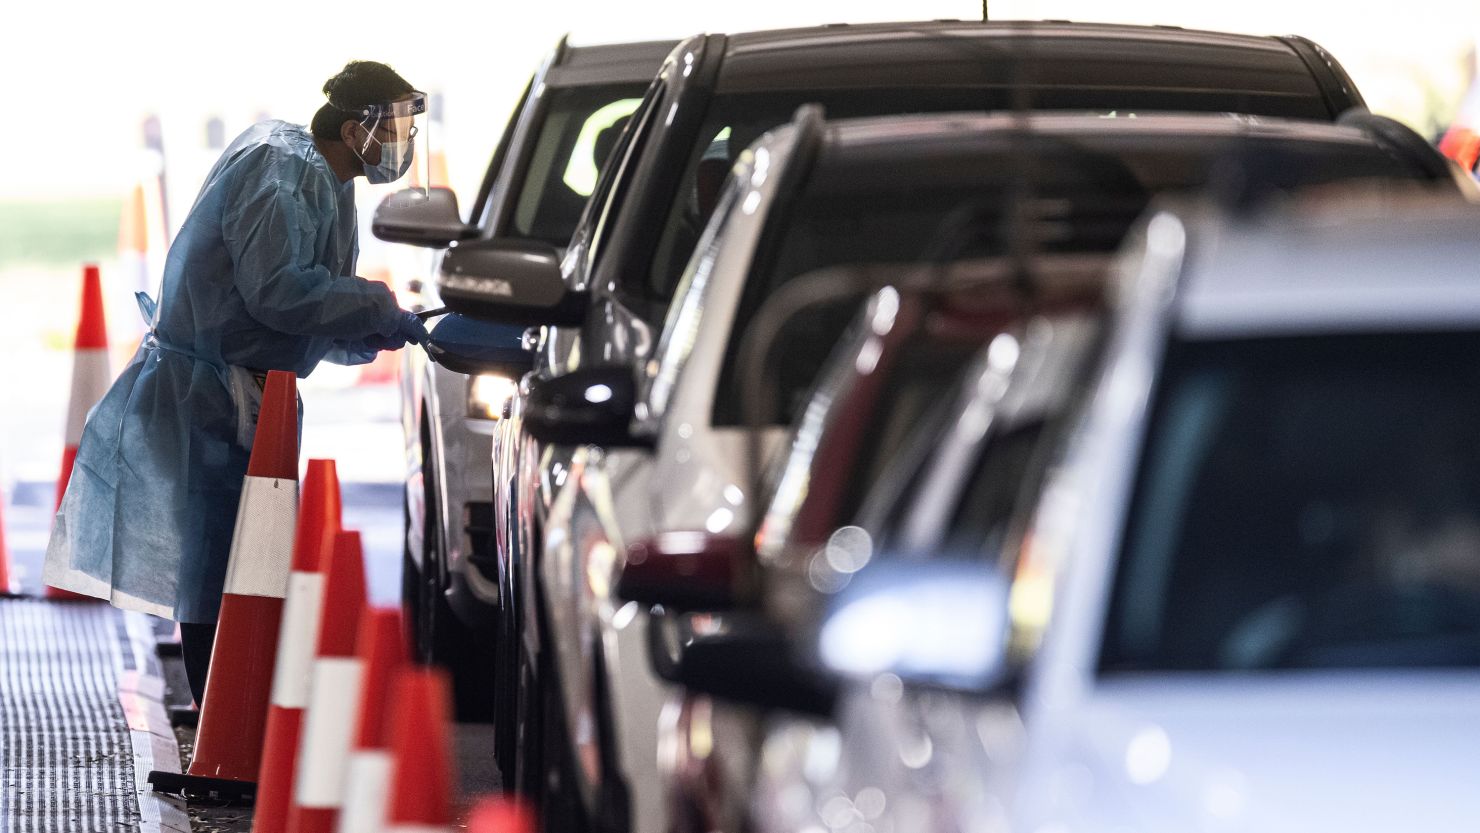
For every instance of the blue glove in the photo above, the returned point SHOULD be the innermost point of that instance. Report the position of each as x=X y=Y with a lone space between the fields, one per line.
x=411 y=329
x=376 y=341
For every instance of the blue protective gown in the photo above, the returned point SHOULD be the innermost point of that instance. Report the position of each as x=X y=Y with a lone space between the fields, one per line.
x=260 y=278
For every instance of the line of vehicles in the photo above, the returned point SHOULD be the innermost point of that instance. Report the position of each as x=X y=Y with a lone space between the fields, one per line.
x=867 y=428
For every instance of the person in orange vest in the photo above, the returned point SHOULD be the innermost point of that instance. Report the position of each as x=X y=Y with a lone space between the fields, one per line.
x=261 y=277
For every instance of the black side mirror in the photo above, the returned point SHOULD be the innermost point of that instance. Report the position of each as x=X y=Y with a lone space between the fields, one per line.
x=588 y=406
x=510 y=281
x=427 y=219
x=466 y=345
x=749 y=660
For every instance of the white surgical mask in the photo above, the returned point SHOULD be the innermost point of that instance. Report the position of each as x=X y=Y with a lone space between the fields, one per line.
x=395 y=161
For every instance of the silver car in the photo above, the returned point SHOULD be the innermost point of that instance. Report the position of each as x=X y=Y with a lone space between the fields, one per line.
x=809 y=250
x=1242 y=592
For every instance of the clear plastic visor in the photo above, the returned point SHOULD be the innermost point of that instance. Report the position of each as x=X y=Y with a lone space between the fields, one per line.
x=401 y=129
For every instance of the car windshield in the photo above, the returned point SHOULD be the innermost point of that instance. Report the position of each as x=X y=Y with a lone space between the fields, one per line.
x=733 y=121
x=1307 y=502
x=1095 y=187
x=580 y=127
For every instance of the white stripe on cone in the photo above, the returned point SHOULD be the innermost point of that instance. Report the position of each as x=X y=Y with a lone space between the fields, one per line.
x=367 y=791
x=262 y=546
x=328 y=730
x=417 y=828
x=91 y=374
x=301 y=614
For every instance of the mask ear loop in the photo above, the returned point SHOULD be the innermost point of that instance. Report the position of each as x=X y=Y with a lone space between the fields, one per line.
x=369 y=135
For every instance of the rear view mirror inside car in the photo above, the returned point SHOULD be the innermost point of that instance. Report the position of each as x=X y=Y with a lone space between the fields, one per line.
x=420 y=218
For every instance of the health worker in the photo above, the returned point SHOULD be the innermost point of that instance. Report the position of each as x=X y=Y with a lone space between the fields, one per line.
x=261 y=277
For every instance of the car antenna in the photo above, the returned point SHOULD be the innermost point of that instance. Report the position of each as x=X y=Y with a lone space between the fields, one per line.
x=985 y=18
x=1018 y=222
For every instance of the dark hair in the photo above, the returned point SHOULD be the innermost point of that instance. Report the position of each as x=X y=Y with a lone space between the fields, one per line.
x=358 y=84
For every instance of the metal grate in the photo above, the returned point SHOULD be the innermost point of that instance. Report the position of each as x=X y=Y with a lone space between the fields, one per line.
x=67 y=758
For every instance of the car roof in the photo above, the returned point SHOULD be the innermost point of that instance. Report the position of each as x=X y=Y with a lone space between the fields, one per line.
x=894 y=55
x=605 y=64
x=867 y=139
x=1351 y=263
x=940 y=150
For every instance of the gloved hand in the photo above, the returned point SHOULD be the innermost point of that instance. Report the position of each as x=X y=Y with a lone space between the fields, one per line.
x=376 y=341
x=411 y=329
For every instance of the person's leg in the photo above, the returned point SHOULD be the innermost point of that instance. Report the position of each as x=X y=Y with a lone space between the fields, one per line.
x=196 y=642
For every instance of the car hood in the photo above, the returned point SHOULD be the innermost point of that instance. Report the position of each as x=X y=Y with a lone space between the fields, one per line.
x=1348 y=752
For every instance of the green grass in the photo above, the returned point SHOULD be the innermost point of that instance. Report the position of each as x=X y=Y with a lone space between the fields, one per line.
x=58 y=233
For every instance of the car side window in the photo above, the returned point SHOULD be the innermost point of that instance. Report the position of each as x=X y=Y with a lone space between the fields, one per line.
x=580 y=127
x=980 y=507
x=616 y=174
x=483 y=205
x=685 y=318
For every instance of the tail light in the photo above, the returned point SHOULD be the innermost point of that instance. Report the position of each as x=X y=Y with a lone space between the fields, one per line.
x=687 y=571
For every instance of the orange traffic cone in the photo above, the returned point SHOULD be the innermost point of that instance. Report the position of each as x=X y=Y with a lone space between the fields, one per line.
x=500 y=814
x=421 y=760
x=228 y=746
x=318 y=523
x=318 y=787
x=381 y=646
x=142 y=236
x=7 y=585
x=91 y=375
x=142 y=244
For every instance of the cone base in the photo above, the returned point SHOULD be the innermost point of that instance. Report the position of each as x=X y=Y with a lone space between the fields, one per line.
x=234 y=793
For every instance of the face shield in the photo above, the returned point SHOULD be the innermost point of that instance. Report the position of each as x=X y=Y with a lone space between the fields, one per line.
x=394 y=140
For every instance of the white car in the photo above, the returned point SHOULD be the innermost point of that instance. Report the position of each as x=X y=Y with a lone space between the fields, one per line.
x=1246 y=595
x=671 y=474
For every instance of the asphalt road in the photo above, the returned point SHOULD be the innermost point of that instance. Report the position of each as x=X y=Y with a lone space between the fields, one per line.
x=373 y=508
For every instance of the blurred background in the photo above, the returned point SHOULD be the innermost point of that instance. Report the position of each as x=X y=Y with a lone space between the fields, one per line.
x=131 y=102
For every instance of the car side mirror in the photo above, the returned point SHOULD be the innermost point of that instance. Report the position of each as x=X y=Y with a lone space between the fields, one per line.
x=940 y=623
x=420 y=218
x=685 y=571
x=511 y=281
x=747 y=660
x=467 y=345
x=588 y=406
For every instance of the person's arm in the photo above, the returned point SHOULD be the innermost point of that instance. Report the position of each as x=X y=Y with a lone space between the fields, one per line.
x=351 y=353
x=270 y=235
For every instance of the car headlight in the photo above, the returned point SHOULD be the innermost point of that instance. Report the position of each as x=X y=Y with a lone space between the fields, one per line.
x=487 y=395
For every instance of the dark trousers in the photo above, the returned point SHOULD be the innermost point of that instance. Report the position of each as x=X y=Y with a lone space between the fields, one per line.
x=195 y=644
